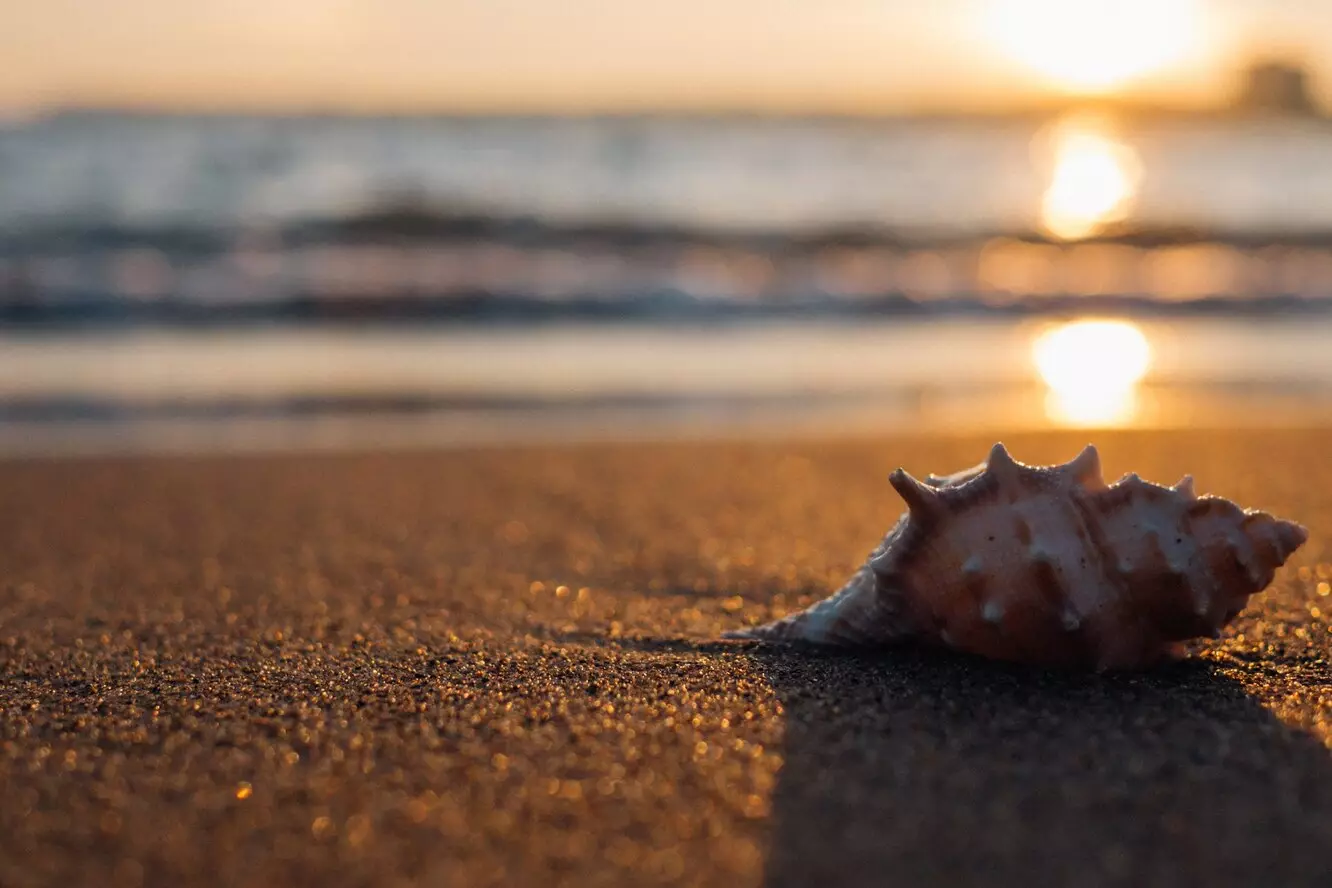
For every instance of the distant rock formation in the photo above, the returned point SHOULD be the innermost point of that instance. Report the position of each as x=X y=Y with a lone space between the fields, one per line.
x=1277 y=87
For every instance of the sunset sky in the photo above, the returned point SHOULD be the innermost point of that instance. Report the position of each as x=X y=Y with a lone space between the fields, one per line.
x=507 y=55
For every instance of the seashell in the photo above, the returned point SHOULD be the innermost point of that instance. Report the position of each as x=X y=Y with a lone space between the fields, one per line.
x=1050 y=565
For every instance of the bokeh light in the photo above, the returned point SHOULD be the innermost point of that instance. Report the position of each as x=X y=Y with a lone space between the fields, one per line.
x=1092 y=369
x=1093 y=180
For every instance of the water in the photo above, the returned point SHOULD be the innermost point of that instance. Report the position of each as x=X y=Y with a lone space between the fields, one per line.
x=178 y=219
x=926 y=177
x=191 y=283
x=313 y=386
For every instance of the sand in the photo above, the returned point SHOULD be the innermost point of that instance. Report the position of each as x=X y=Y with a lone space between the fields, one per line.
x=498 y=667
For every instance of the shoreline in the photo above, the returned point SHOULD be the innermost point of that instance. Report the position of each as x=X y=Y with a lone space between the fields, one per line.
x=272 y=431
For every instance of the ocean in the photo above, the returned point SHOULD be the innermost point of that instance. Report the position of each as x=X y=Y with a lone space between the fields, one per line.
x=176 y=282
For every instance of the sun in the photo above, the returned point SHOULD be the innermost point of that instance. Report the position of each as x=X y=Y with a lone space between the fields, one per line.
x=1094 y=46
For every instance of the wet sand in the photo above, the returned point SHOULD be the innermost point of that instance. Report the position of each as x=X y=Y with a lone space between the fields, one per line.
x=499 y=667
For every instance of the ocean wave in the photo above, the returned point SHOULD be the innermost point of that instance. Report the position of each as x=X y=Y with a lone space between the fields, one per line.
x=416 y=264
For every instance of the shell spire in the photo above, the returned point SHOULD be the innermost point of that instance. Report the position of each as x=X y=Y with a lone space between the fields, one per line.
x=924 y=502
x=1085 y=468
x=1002 y=467
x=1049 y=564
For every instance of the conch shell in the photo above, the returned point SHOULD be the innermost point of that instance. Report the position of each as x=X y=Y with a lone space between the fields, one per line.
x=1049 y=565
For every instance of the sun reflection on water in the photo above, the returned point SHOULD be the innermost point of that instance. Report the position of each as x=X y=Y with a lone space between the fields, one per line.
x=1093 y=179
x=1092 y=369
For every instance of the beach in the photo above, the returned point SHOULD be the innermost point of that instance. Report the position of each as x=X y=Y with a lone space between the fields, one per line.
x=501 y=666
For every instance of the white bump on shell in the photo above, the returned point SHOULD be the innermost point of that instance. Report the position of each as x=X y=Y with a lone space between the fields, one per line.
x=1039 y=553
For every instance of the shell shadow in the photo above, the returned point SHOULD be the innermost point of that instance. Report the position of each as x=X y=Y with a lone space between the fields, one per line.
x=917 y=769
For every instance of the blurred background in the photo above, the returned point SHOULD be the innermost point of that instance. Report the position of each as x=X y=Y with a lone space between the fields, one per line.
x=310 y=223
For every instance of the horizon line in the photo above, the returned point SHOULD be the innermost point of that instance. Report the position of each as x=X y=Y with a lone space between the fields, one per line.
x=1025 y=107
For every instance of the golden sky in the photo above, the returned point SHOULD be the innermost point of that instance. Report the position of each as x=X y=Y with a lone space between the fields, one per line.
x=858 y=55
